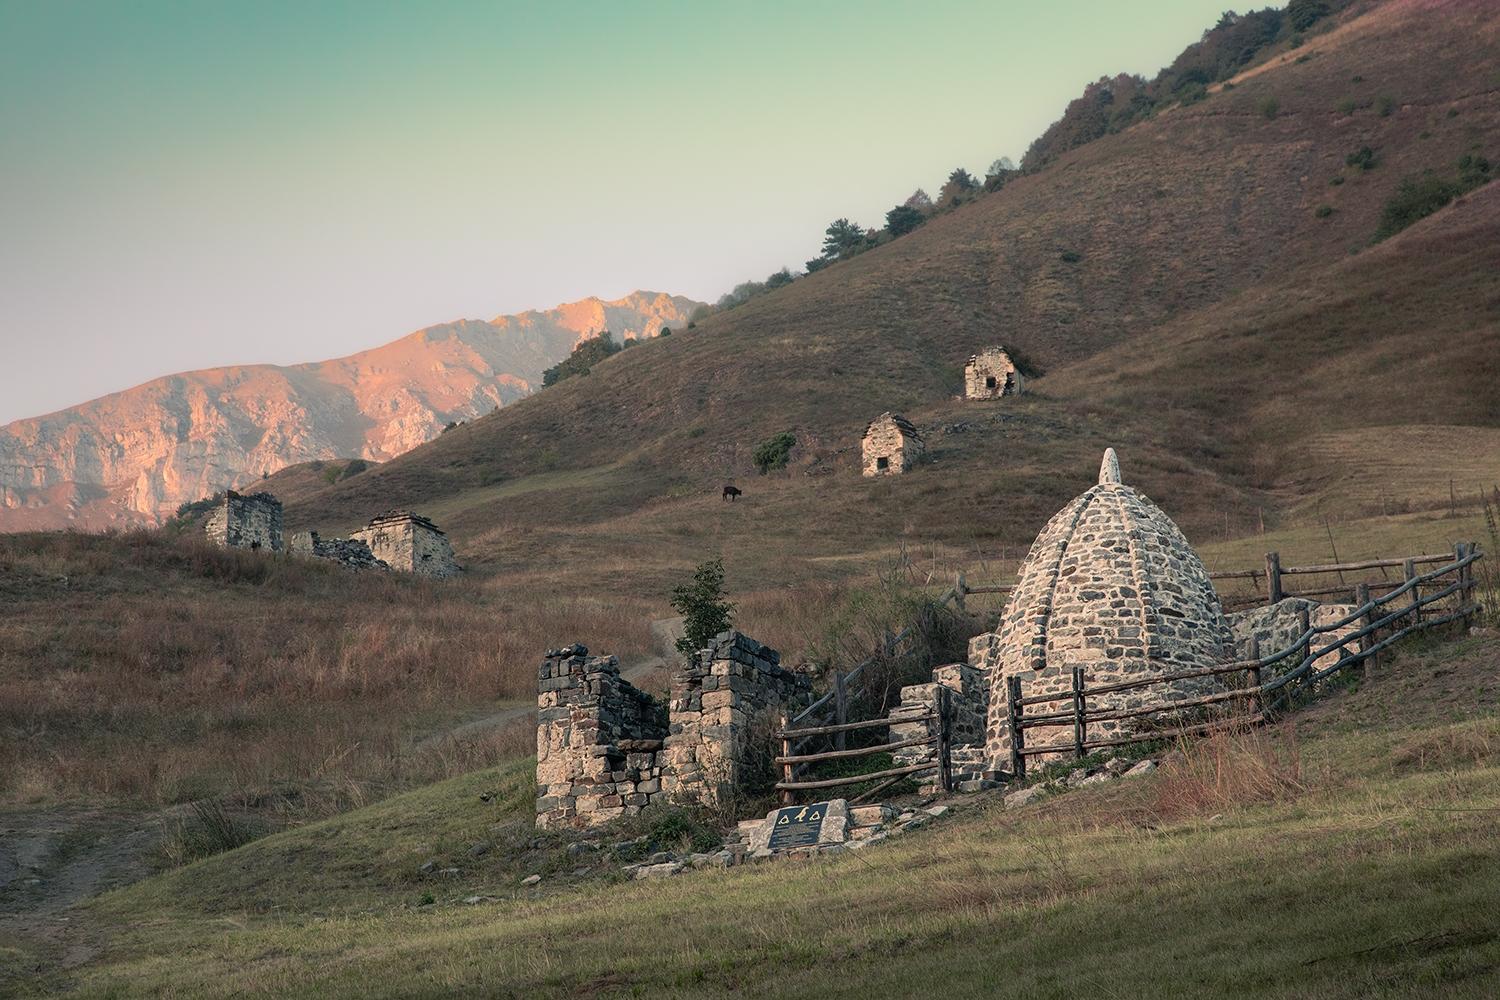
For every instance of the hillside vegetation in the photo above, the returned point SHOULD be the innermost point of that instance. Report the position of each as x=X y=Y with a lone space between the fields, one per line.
x=1350 y=853
x=1178 y=283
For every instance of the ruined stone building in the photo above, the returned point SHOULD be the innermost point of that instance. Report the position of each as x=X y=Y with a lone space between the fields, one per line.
x=410 y=543
x=605 y=749
x=991 y=374
x=891 y=445
x=251 y=521
x=350 y=552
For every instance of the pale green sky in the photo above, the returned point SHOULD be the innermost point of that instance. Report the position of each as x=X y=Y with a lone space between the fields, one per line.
x=203 y=183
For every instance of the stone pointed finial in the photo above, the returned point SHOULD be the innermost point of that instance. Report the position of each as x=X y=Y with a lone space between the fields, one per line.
x=1109 y=469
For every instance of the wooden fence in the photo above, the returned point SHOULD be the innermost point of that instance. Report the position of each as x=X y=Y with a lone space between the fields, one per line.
x=1382 y=621
x=939 y=725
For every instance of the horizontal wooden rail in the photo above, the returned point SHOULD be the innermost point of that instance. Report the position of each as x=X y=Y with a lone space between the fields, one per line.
x=1150 y=736
x=792 y=734
x=854 y=779
x=813 y=758
x=1368 y=564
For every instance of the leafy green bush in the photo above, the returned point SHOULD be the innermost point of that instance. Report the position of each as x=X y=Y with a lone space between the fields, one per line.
x=1268 y=106
x=773 y=452
x=1418 y=197
x=584 y=356
x=666 y=331
x=1303 y=14
x=1070 y=256
x=1323 y=211
x=703 y=607
x=1347 y=106
x=1384 y=105
x=1364 y=158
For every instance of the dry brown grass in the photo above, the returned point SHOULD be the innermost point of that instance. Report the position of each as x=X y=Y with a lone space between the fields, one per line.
x=1229 y=769
x=147 y=668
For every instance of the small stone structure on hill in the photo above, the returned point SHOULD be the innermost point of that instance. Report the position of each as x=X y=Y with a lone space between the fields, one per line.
x=606 y=749
x=409 y=543
x=350 y=552
x=991 y=374
x=251 y=521
x=891 y=445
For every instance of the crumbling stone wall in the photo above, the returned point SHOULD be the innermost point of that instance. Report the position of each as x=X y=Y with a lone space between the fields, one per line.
x=891 y=445
x=1279 y=625
x=251 y=521
x=964 y=692
x=606 y=749
x=598 y=741
x=725 y=702
x=350 y=552
x=410 y=543
x=991 y=374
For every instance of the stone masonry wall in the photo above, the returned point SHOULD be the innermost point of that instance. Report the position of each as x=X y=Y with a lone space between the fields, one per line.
x=409 y=543
x=893 y=439
x=968 y=704
x=991 y=364
x=350 y=552
x=605 y=749
x=252 y=521
x=598 y=742
x=1278 y=625
x=725 y=700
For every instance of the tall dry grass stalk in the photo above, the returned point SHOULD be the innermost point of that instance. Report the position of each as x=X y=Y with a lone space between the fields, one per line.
x=1229 y=769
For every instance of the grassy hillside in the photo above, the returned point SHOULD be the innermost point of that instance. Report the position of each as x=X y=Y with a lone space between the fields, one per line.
x=1348 y=853
x=1201 y=291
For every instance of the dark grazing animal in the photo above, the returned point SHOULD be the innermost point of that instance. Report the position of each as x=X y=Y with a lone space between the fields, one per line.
x=730 y=492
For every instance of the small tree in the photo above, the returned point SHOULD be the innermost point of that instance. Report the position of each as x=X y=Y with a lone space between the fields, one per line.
x=1305 y=13
x=773 y=452
x=704 y=610
x=842 y=239
x=903 y=219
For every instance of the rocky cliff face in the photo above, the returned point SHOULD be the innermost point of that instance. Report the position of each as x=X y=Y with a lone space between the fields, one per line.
x=134 y=456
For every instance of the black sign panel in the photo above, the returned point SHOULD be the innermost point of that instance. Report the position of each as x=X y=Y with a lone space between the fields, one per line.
x=797 y=826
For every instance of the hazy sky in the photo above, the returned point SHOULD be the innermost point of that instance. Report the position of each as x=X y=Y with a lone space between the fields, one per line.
x=201 y=183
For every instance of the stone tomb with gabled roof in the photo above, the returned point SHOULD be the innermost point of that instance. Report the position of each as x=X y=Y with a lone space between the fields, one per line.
x=1110 y=585
x=891 y=445
x=991 y=374
x=409 y=543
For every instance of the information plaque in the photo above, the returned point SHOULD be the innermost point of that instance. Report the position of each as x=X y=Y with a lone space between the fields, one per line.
x=797 y=826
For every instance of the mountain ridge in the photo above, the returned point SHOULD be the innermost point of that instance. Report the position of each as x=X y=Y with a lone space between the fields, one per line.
x=131 y=457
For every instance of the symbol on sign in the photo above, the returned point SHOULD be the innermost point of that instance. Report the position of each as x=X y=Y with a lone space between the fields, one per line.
x=798 y=826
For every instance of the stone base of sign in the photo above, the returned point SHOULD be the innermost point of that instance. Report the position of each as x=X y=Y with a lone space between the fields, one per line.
x=834 y=828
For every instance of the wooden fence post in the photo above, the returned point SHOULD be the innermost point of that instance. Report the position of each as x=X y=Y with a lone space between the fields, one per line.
x=840 y=710
x=1410 y=569
x=1273 y=577
x=1255 y=702
x=1304 y=624
x=1465 y=581
x=788 y=771
x=945 y=738
x=1366 y=641
x=1017 y=732
x=1080 y=736
x=960 y=588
